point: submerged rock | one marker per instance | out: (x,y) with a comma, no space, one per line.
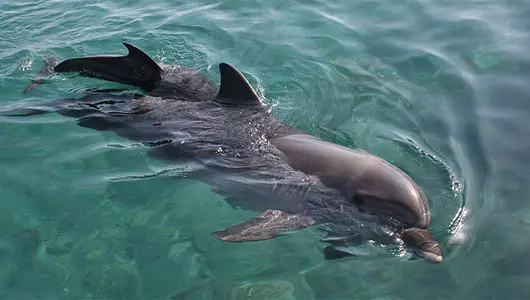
(96,248)
(180,273)
(117,279)
(17,250)
(7,267)
(60,245)
(25,242)
(61,268)
(266,290)
(161,278)
(176,251)
(204,290)
(136,219)
(350,277)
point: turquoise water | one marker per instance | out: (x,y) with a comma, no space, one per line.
(439,88)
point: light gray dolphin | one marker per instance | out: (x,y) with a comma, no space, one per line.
(291,178)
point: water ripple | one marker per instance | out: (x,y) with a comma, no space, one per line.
(440,88)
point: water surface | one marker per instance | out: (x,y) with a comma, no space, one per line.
(439,88)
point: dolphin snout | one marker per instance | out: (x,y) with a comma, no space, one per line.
(430,257)
(423,244)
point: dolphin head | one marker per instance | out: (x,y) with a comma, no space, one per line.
(384,189)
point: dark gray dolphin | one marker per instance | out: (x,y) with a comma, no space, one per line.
(292,179)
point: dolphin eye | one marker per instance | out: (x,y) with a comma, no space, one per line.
(365,199)
(358,199)
(373,204)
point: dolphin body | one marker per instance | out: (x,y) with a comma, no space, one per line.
(291,179)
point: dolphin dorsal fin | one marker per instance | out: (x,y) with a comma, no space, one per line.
(235,88)
(135,68)
(147,63)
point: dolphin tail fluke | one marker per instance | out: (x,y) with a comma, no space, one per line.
(44,73)
(136,68)
(264,227)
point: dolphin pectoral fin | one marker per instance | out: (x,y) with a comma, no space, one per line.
(45,72)
(331,253)
(40,109)
(264,227)
(340,246)
(136,68)
(350,240)
(87,105)
(235,89)
(23,112)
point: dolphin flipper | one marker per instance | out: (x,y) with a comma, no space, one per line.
(264,227)
(89,104)
(50,106)
(43,74)
(339,246)
(136,68)
(332,253)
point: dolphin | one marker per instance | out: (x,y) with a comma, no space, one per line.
(290,178)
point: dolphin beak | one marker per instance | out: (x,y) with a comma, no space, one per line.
(430,257)
(423,244)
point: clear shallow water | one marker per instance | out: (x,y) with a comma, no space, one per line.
(438,88)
